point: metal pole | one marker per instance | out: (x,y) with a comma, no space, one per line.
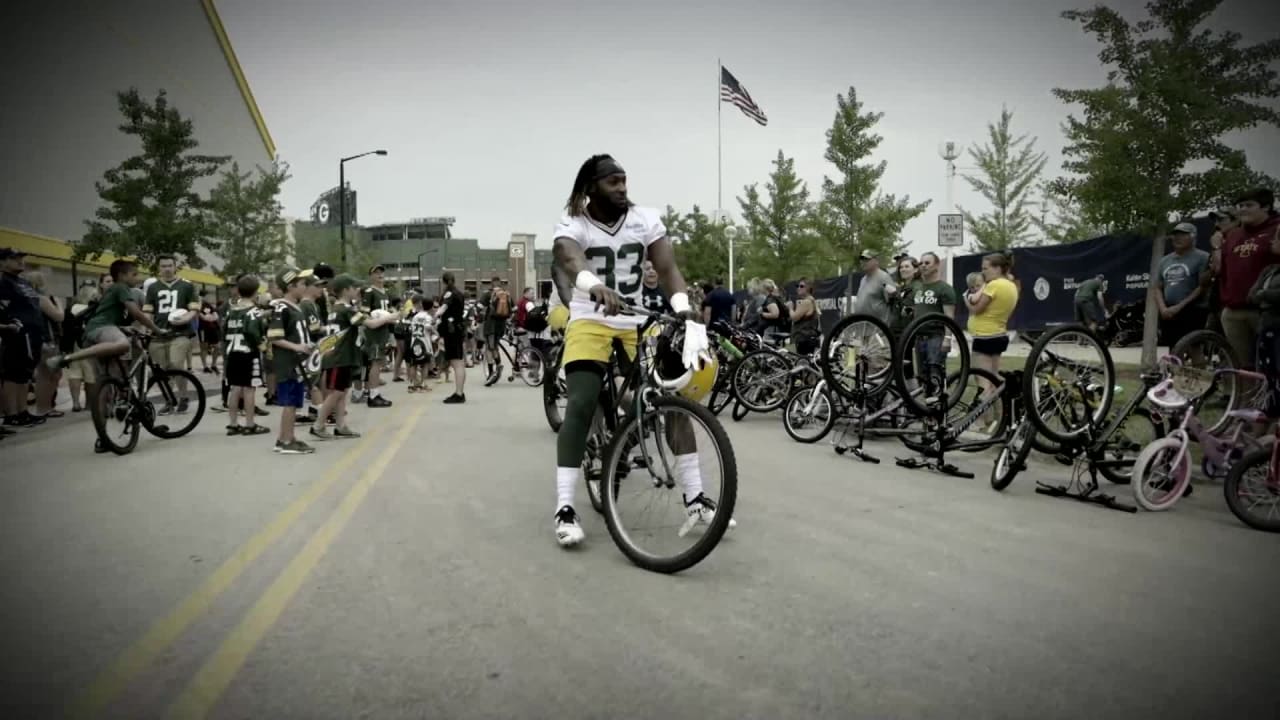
(342,212)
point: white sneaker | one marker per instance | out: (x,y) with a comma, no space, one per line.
(700,509)
(568,529)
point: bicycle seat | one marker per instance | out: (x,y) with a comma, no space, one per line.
(1164,396)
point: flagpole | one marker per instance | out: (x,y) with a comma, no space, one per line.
(720,166)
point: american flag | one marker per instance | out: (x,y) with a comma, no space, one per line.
(732,91)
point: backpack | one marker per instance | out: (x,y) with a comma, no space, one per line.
(535,321)
(73,327)
(501,304)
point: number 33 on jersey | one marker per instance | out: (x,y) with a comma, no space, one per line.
(616,255)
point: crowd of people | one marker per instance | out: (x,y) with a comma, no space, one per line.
(309,340)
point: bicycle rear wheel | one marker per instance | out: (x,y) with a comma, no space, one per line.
(1135,433)
(857,340)
(939,351)
(669,432)
(1208,351)
(112,402)
(163,386)
(1068,384)
(762,381)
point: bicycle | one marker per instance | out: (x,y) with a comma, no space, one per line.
(525,360)
(125,398)
(1162,472)
(763,380)
(1253,484)
(1072,411)
(619,428)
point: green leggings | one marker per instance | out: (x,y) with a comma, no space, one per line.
(583,385)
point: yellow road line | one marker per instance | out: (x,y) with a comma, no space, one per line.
(112,681)
(220,669)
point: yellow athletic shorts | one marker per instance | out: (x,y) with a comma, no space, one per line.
(587,340)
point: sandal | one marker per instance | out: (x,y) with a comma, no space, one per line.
(77,409)
(53,414)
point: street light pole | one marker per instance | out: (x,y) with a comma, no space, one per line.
(342,200)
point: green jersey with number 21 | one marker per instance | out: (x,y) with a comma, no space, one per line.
(616,255)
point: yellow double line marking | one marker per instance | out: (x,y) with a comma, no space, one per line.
(218,671)
(139,656)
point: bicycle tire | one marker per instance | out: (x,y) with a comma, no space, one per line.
(924,444)
(905,343)
(164,380)
(1231,489)
(1072,436)
(739,410)
(532,363)
(1121,477)
(1013,456)
(1143,462)
(801,397)
(876,382)
(552,392)
(593,438)
(721,395)
(1180,349)
(728,490)
(738,381)
(99,422)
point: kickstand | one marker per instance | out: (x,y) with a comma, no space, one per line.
(1083,491)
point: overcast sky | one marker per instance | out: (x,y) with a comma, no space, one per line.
(488,107)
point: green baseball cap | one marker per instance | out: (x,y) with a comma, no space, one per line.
(342,282)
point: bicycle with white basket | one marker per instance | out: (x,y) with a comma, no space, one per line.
(1162,471)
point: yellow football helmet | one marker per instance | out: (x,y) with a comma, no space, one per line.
(669,368)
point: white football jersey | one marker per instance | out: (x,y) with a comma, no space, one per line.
(616,255)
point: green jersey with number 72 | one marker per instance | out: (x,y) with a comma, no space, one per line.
(616,255)
(245,329)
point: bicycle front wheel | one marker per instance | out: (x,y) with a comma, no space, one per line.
(1157,482)
(531,363)
(1253,493)
(1013,457)
(116,418)
(857,356)
(939,353)
(164,387)
(809,414)
(679,452)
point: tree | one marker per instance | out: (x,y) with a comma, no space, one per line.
(150,208)
(702,251)
(1149,144)
(854,215)
(316,243)
(1009,169)
(778,239)
(245,220)
(1060,220)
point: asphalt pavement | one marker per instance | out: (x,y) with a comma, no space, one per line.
(413,574)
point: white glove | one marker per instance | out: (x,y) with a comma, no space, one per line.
(696,346)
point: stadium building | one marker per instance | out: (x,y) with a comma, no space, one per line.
(64,64)
(416,253)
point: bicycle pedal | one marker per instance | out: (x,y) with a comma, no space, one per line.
(1064,459)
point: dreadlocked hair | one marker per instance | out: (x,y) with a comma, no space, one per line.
(582,185)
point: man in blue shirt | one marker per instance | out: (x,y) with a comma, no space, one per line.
(717,306)
(22,334)
(1180,284)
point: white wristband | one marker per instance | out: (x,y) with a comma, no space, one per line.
(586,280)
(680,302)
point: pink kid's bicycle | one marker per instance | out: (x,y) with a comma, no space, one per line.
(1162,471)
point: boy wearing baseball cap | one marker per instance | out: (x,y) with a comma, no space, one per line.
(291,343)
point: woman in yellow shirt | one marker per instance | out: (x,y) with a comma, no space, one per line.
(990,308)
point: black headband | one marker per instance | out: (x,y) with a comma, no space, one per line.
(607,168)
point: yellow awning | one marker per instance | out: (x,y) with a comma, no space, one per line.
(57,253)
